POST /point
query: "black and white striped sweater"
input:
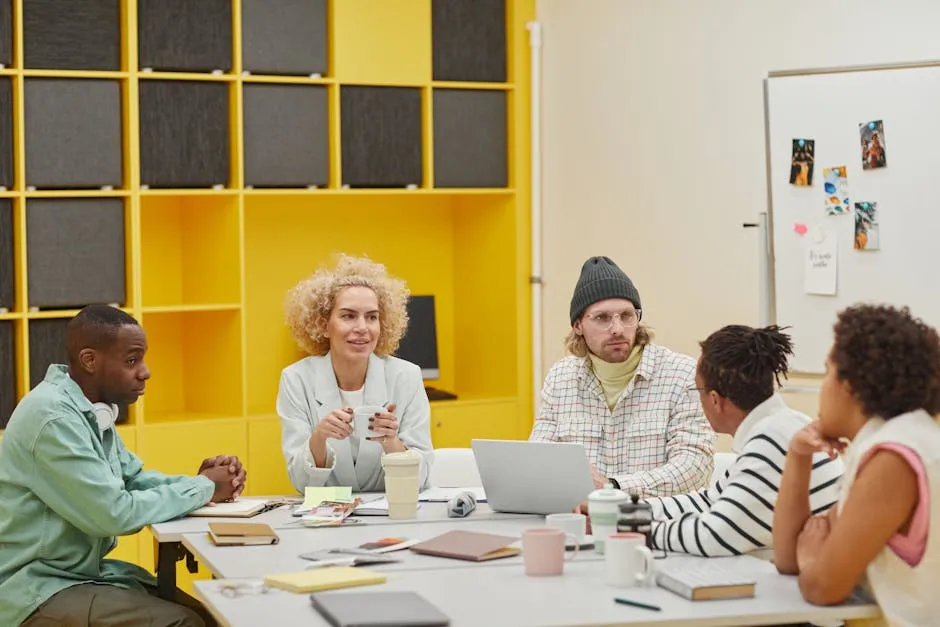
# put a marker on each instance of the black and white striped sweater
(735, 516)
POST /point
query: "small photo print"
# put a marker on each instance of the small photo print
(801, 164)
(836, 187)
(873, 144)
(866, 226)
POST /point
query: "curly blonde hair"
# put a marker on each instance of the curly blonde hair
(310, 303)
(577, 346)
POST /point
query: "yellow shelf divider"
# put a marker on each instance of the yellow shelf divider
(472, 85)
(185, 76)
(238, 180)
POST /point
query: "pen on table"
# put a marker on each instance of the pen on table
(637, 604)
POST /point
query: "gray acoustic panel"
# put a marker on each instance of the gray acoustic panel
(381, 136)
(286, 135)
(6, 132)
(6, 32)
(470, 138)
(47, 347)
(185, 35)
(75, 251)
(469, 40)
(7, 294)
(284, 37)
(73, 133)
(184, 133)
(7, 372)
(81, 35)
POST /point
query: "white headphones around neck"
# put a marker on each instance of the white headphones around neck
(106, 415)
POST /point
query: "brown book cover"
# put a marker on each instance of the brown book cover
(468, 545)
(242, 534)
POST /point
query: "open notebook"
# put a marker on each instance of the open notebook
(240, 508)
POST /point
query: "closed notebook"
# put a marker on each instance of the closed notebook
(241, 534)
(329, 578)
(378, 609)
(704, 580)
(468, 545)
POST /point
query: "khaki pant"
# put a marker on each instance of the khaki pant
(98, 605)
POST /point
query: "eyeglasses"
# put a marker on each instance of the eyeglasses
(234, 590)
(604, 320)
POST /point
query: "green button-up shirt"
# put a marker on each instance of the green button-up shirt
(66, 491)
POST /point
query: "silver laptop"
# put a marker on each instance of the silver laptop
(525, 477)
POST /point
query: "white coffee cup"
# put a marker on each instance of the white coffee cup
(362, 428)
(402, 472)
(570, 523)
(628, 562)
(604, 508)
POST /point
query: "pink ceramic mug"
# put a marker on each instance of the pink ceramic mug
(543, 550)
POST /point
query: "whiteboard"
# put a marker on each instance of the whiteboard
(828, 108)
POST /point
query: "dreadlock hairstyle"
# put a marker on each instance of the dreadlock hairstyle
(742, 363)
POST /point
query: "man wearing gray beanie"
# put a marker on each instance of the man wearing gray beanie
(632, 404)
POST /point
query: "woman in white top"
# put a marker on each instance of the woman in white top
(350, 319)
(881, 393)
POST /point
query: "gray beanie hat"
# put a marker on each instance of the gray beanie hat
(600, 279)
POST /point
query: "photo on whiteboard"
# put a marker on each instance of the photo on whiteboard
(867, 236)
(836, 187)
(801, 164)
(873, 144)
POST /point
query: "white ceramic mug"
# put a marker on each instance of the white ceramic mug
(362, 428)
(628, 562)
(604, 508)
(571, 523)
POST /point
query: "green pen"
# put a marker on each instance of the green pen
(637, 604)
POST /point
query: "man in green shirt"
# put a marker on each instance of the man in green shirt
(69, 486)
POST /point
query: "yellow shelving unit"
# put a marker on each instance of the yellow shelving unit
(208, 269)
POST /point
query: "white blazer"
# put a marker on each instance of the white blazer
(308, 392)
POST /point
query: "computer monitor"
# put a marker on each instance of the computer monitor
(419, 344)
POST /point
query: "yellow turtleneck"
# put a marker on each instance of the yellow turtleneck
(615, 377)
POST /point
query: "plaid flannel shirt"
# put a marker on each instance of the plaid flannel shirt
(656, 441)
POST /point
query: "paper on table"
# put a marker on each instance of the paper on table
(315, 496)
(821, 263)
(443, 495)
(376, 507)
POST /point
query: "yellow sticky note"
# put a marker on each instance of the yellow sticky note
(315, 496)
(329, 578)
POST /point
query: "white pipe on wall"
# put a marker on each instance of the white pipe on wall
(535, 66)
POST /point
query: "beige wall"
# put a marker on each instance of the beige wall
(653, 135)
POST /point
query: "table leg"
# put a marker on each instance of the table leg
(168, 553)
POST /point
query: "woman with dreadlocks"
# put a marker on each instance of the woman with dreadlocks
(736, 378)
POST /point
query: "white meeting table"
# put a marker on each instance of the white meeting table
(168, 536)
(507, 597)
(236, 562)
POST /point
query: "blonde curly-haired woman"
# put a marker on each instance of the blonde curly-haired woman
(350, 319)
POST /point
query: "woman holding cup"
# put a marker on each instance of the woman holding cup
(350, 402)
